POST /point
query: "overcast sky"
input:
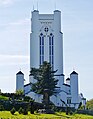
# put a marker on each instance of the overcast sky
(77, 28)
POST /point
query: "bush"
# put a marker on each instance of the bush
(13, 110)
(25, 112)
(1, 107)
(20, 110)
(27, 98)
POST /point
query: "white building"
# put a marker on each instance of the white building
(46, 44)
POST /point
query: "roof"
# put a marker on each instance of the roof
(67, 79)
(74, 73)
(66, 85)
(59, 75)
(30, 74)
(19, 73)
(57, 11)
(35, 11)
(27, 84)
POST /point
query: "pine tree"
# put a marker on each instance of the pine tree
(45, 81)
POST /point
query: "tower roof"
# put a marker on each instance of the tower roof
(74, 73)
(57, 11)
(19, 73)
(67, 79)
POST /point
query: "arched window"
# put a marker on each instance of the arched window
(41, 40)
(51, 49)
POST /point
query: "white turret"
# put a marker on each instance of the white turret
(19, 81)
(34, 40)
(74, 88)
(61, 80)
(68, 81)
(58, 43)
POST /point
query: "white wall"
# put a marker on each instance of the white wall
(20, 82)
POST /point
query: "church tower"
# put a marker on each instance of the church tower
(46, 40)
(46, 44)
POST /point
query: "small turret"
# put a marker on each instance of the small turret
(19, 81)
(74, 88)
(68, 81)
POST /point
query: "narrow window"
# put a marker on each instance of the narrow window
(68, 100)
(41, 40)
(51, 49)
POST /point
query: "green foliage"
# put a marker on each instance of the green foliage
(25, 111)
(20, 110)
(13, 110)
(3, 97)
(20, 92)
(31, 107)
(1, 107)
(45, 81)
(28, 99)
(89, 104)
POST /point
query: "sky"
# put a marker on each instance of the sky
(77, 28)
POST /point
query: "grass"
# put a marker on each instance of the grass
(8, 115)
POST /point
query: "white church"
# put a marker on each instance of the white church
(46, 44)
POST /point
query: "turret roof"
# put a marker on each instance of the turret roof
(67, 79)
(27, 84)
(30, 74)
(74, 73)
(56, 11)
(19, 73)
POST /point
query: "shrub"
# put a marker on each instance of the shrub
(1, 107)
(13, 110)
(25, 112)
(20, 110)
(27, 98)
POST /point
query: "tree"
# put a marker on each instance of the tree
(1, 107)
(45, 82)
(19, 94)
(20, 110)
(89, 104)
(13, 110)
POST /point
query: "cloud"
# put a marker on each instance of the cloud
(14, 60)
(16, 23)
(6, 2)
(20, 22)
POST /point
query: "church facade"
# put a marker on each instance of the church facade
(46, 44)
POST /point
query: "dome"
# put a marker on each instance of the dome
(19, 73)
(74, 73)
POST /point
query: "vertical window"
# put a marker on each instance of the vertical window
(41, 40)
(68, 100)
(51, 49)
(42, 50)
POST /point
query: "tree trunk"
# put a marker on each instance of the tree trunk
(46, 99)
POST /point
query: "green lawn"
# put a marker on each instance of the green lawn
(8, 115)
